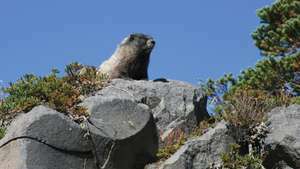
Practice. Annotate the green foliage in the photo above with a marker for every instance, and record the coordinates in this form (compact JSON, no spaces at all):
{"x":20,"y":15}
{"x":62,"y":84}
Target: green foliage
{"x":273,"y":81}
{"x":279,"y":33}
{"x":31,"y":91}
{"x":60,"y":93}
{"x":2,"y":132}
{"x":256,"y":90}
{"x":295,"y":100}
{"x":233,"y":160}
{"x":216,"y":89}
{"x":271,"y":74}
{"x":84,"y":78}
{"x":244,"y":102}
{"x":213,"y":88}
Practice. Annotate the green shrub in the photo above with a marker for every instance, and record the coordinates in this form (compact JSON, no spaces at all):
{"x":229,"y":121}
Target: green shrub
{"x":242,"y":103}
{"x":233,"y":160}
{"x":60,"y":93}
{"x":271,"y":75}
{"x":2,"y":132}
{"x":295,"y":100}
{"x":278,"y":34}
{"x":84,"y":78}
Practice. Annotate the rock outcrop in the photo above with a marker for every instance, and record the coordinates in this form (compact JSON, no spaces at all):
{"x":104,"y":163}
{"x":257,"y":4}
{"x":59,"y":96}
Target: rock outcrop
{"x":120,"y":133}
{"x":175,"y":105}
{"x":44,"y":138}
{"x":128,"y":122}
{"x":200,"y":153}
{"x":282,"y":144}
{"x":283,"y":140}
{"x":129,"y":138}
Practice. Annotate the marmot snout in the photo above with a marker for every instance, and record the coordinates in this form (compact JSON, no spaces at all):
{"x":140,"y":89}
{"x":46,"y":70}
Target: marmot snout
{"x":131,"y":58}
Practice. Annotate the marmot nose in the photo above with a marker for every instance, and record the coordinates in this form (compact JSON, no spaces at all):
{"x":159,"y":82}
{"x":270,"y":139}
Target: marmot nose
{"x":151,"y":43}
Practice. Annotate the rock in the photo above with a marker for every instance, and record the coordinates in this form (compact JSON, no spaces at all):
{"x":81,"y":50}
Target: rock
{"x":283,"y":140}
{"x":127,"y":127}
{"x":175,"y":105}
{"x":281,"y":165}
{"x":120,"y":134}
{"x":44,"y":138}
{"x":201,"y":152}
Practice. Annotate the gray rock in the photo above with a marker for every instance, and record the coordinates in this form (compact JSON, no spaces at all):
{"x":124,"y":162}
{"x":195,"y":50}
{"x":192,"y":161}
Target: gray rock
{"x":201,"y":152}
{"x":283,"y":141}
{"x":120,"y":134}
{"x":127,"y":127}
{"x":175,"y":104}
{"x":44,"y":138}
{"x":281,"y":165}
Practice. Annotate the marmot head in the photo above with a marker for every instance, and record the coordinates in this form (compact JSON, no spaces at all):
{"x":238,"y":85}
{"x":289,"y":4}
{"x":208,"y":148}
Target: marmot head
{"x":139,"y":44}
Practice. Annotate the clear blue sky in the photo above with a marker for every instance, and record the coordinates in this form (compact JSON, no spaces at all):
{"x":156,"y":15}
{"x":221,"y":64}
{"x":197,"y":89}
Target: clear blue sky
{"x":196,"y":39}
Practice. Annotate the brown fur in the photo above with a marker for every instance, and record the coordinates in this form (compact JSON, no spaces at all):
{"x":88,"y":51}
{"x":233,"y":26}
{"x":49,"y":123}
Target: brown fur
{"x":131,"y":58}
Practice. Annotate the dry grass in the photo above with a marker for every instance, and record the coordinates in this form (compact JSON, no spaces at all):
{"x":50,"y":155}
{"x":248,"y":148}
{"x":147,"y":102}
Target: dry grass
{"x":171,"y":144}
{"x":248,"y":107}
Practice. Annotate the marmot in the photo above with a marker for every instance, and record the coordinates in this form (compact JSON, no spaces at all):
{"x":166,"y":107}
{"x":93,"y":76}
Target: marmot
{"x":131,"y":58}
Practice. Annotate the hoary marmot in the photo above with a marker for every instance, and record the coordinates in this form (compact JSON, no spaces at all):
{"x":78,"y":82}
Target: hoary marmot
{"x":131,"y":58}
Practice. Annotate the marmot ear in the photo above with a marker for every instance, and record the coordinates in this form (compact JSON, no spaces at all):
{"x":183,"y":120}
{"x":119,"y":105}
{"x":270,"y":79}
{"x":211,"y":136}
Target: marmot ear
{"x":131,"y":37}
{"x":126,"y":40}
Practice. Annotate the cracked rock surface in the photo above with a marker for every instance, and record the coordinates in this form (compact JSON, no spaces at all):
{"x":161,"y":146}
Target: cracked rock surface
{"x":175,"y":105}
{"x":127,"y":128}
{"x":122,"y":135}
{"x":200,"y":152}
{"x":44,"y":138}
{"x":126,"y":119}
{"x":283,"y":140}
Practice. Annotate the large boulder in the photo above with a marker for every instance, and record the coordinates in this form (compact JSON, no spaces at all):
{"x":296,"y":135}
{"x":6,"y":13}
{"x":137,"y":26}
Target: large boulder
{"x":201,"y":152}
{"x":175,"y":105}
{"x":127,"y":128}
{"x":120,"y":134}
{"x":44,"y":138}
{"x":283,"y":140}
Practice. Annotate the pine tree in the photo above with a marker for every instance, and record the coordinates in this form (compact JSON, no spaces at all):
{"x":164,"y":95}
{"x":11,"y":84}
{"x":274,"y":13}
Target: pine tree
{"x":278,"y":38}
{"x":279,"y":32}
{"x":271,"y":75}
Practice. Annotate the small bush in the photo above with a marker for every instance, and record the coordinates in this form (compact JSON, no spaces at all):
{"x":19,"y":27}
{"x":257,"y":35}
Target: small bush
{"x":60,"y":93}
{"x":205,"y":125}
{"x":2,"y":132}
{"x":84,"y":78}
{"x":295,"y":100}
{"x":233,"y":160}
{"x":248,"y":107}
{"x":172,"y":144}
